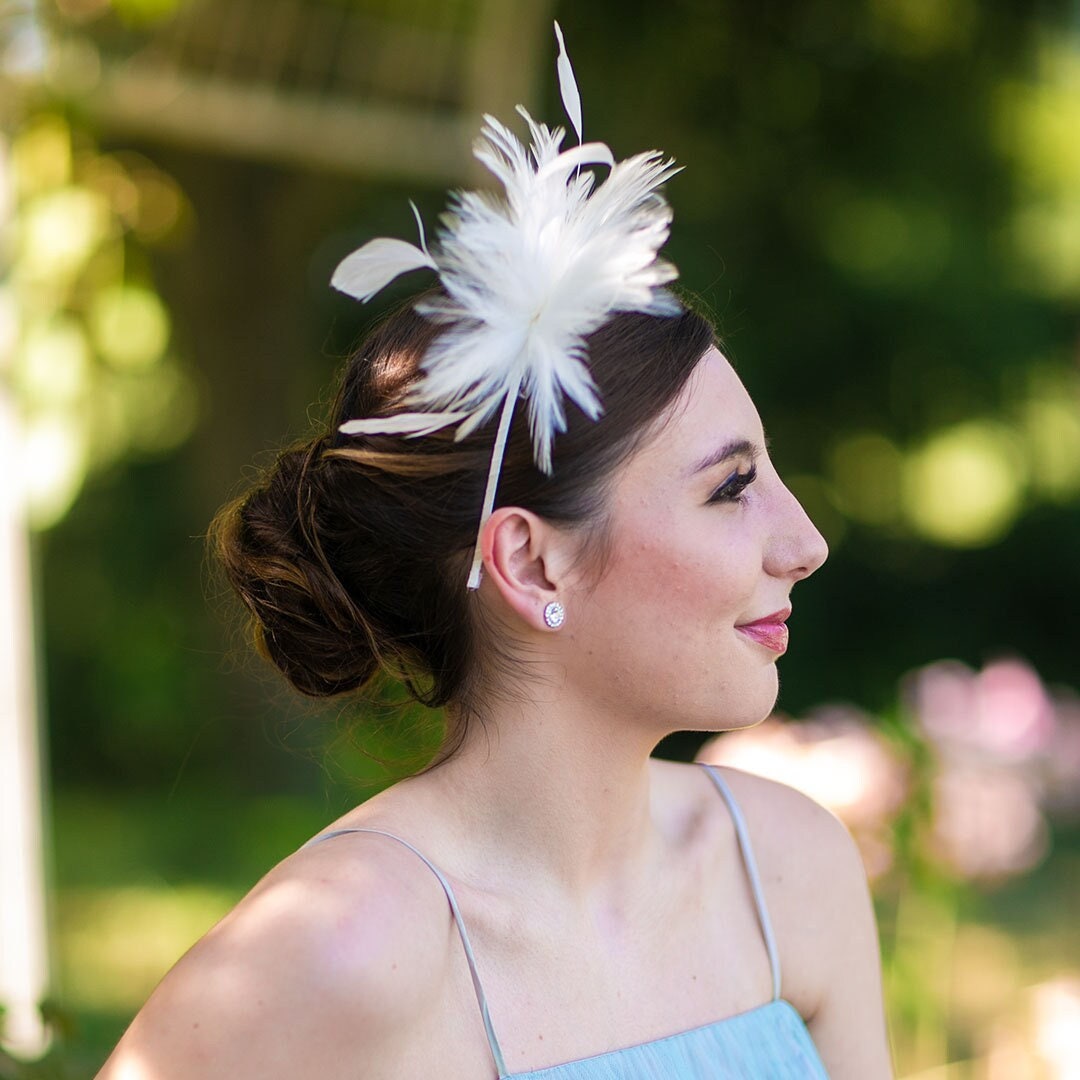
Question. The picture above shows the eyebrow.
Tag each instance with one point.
(733, 449)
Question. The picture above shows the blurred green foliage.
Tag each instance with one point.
(881, 204)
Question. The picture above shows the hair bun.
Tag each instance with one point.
(303, 618)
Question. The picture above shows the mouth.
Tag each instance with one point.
(770, 631)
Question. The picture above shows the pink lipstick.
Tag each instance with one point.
(769, 631)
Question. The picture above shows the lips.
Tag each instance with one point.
(770, 631)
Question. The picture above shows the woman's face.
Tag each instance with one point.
(687, 622)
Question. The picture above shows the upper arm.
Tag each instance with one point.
(820, 906)
(848, 1026)
(313, 972)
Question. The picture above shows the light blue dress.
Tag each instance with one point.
(770, 1042)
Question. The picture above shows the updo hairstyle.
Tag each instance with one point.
(351, 552)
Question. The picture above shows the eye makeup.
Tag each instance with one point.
(731, 490)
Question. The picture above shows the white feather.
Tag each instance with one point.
(403, 424)
(528, 276)
(372, 267)
(568, 88)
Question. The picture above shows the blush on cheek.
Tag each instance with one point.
(631, 568)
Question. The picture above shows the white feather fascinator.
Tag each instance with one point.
(525, 278)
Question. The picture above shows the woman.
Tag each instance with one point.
(547, 899)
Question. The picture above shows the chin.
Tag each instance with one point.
(746, 713)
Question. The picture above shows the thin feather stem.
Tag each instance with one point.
(420, 226)
(493, 476)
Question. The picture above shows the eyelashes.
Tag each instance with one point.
(731, 490)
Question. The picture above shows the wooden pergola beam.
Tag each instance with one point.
(136, 99)
(245, 106)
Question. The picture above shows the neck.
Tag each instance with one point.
(562, 793)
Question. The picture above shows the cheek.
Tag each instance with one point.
(709, 547)
(658, 629)
(682, 579)
(648, 570)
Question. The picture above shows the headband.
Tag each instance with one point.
(525, 278)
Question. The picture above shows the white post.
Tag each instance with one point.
(23, 950)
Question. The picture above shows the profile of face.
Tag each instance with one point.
(685, 626)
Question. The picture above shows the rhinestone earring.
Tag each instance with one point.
(554, 614)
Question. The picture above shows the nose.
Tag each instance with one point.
(796, 548)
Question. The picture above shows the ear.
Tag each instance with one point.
(525, 559)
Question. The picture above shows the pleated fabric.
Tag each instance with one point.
(770, 1042)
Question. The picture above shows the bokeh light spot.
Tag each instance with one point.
(866, 471)
(145, 11)
(919, 28)
(162, 409)
(1046, 239)
(74, 66)
(160, 205)
(60, 231)
(1037, 121)
(1052, 432)
(886, 240)
(867, 235)
(82, 10)
(7, 184)
(9, 326)
(54, 367)
(130, 326)
(964, 487)
(110, 179)
(41, 155)
(54, 465)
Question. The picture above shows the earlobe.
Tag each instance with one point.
(519, 552)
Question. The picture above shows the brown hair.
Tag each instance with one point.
(351, 553)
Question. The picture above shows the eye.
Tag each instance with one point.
(731, 490)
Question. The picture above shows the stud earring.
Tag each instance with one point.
(554, 614)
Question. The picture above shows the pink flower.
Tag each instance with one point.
(1006, 750)
(986, 822)
(1002, 713)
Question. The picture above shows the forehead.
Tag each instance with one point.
(712, 409)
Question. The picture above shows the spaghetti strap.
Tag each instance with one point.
(752, 873)
(493, 1042)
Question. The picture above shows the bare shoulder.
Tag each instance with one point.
(821, 909)
(805, 855)
(795, 836)
(812, 875)
(336, 951)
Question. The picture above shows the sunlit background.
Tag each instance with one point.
(881, 205)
